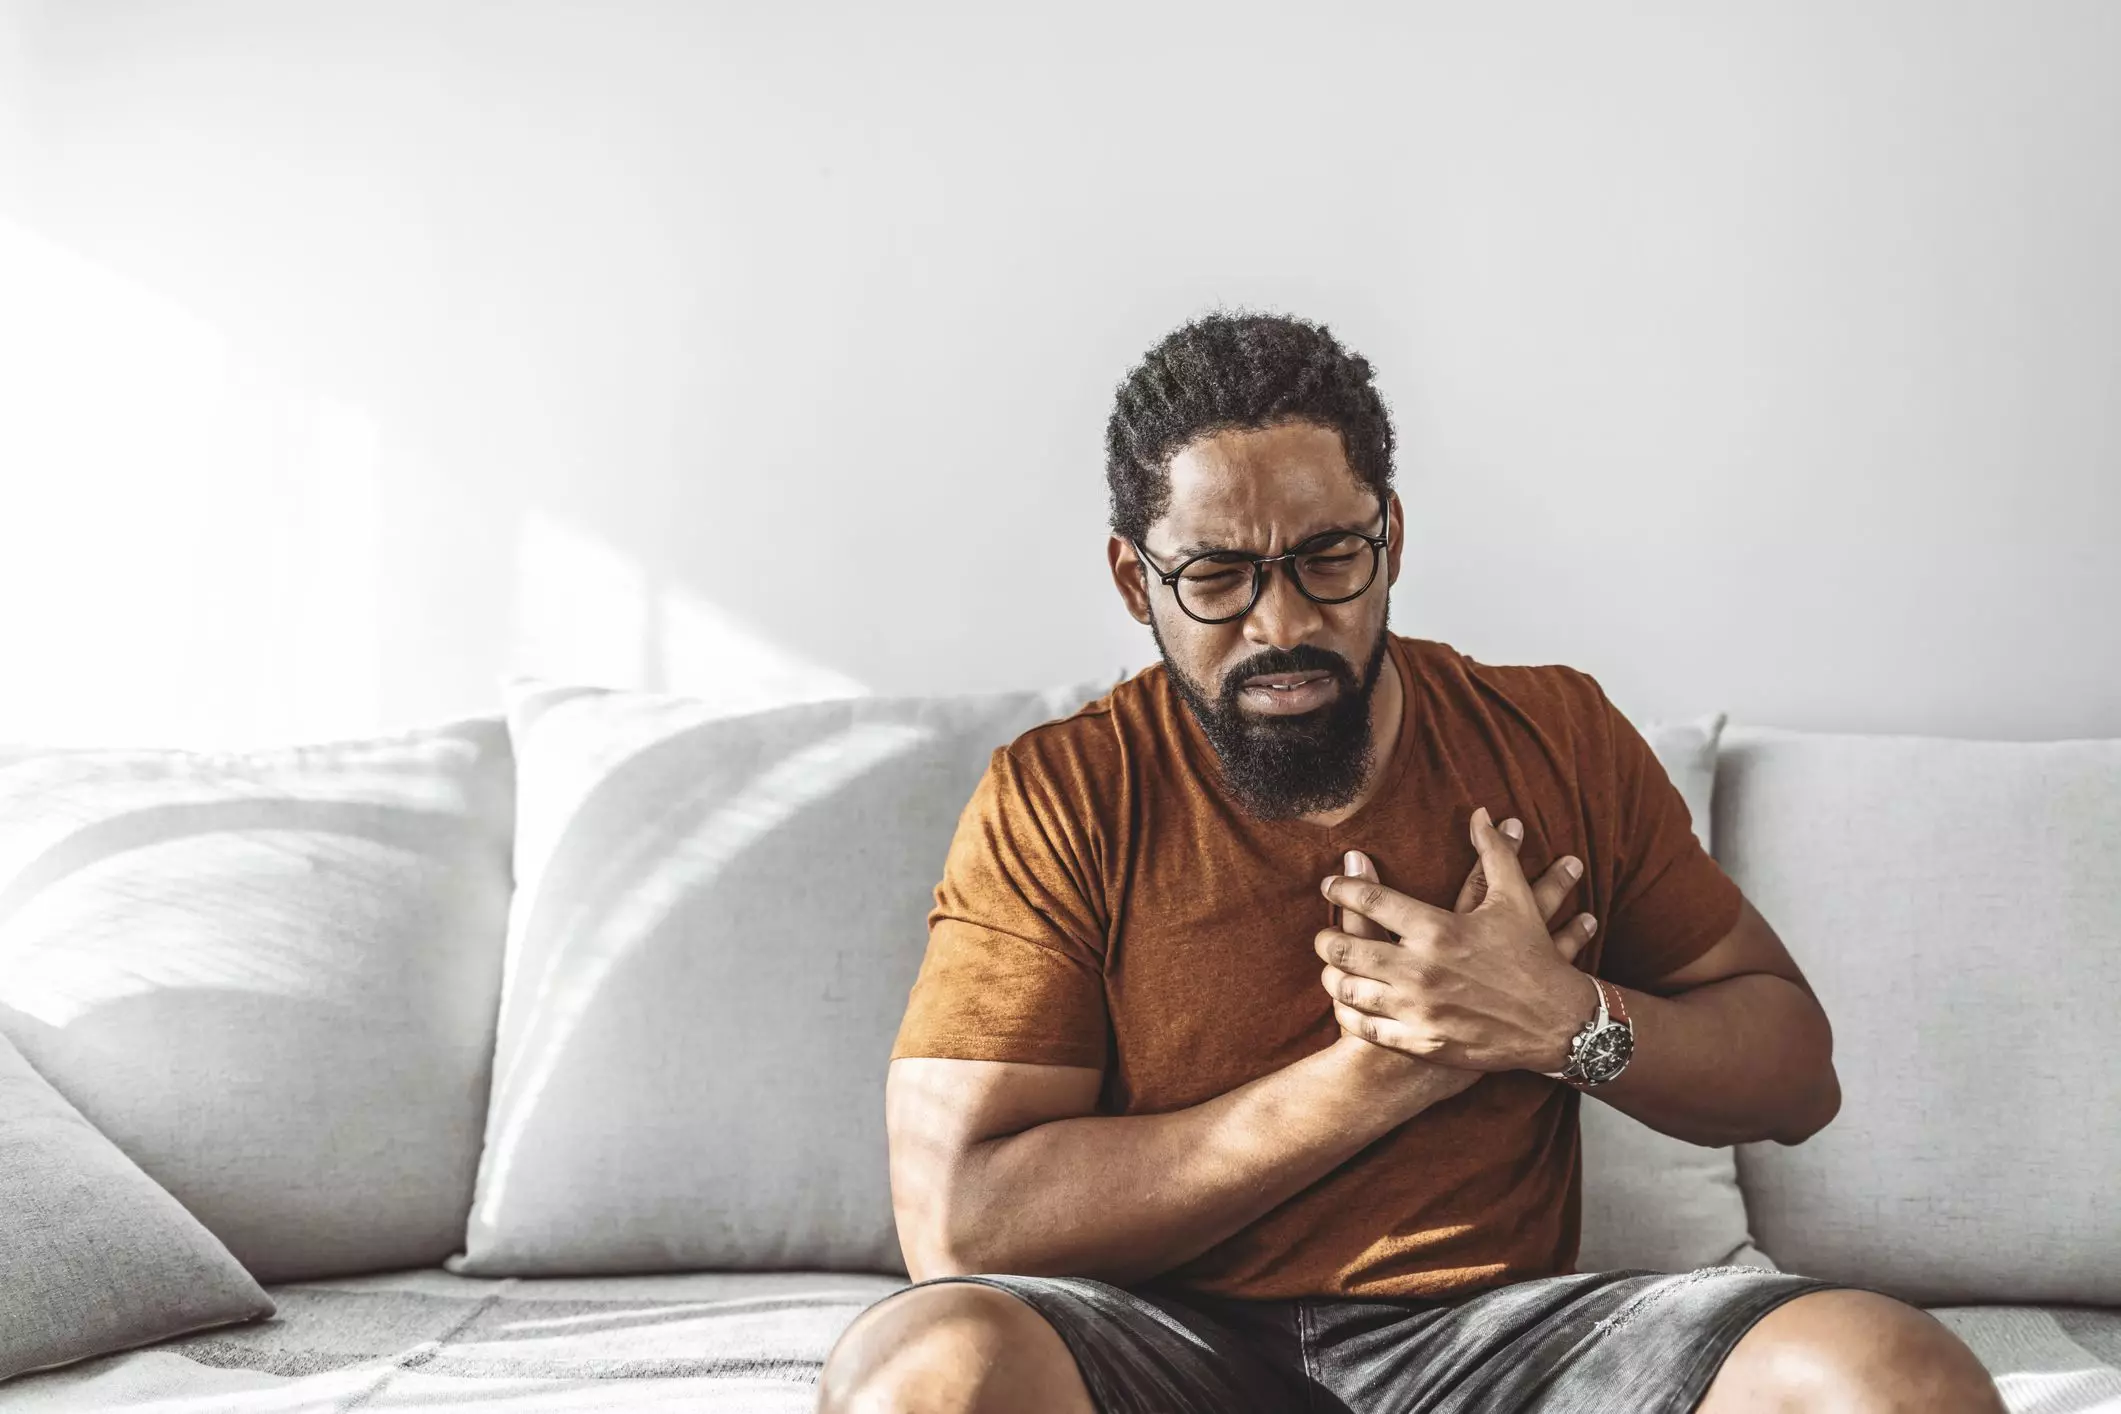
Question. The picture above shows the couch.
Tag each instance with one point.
(535, 1061)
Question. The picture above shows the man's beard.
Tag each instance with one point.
(1279, 768)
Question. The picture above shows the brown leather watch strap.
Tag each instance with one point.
(1614, 1003)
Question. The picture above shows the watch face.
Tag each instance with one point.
(1607, 1052)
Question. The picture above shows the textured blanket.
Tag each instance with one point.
(722, 1343)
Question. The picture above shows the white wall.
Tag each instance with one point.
(1758, 355)
(16, 150)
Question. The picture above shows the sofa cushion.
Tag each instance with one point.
(1651, 1201)
(1956, 905)
(709, 1343)
(270, 977)
(97, 1257)
(717, 922)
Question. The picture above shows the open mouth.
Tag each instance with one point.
(1289, 692)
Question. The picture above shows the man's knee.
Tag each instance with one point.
(1851, 1352)
(956, 1346)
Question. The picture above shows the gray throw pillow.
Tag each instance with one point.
(97, 1257)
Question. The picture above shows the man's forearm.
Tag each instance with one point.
(1744, 1059)
(1124, 1197)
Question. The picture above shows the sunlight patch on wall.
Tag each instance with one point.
(188, 554)
(708, 653)
(581, 608)
(586, 612)
(336, 667)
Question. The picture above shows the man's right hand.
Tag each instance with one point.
(1551, 888)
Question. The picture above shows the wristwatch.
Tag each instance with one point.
(1602, 1048)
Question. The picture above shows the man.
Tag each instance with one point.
(1162, 1143)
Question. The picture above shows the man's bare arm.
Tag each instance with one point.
(1743, 1013)
(1124, 1197)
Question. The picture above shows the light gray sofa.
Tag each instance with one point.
(591, 890)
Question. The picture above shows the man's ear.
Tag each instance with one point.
(1396, 527)
(1127, 570)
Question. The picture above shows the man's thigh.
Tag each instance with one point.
(1627, 1342)
(1148, 1350)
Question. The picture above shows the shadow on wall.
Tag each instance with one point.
(197, 551)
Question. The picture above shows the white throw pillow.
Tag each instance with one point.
(270, 977)
(717, 921)
(1649, 1200)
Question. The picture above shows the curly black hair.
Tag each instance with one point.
(1237, 370)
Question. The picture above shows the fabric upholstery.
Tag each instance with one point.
(1956, 905)
(96, 1257)
(270, 977)
(2046, 1360)
(710, 1343)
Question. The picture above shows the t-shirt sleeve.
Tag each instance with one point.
(1670, 900)
(1014, 968)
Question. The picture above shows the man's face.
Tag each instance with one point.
(1283, 754)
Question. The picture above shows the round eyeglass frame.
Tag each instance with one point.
(1379, 545)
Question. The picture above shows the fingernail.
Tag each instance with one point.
(1590, 926)
(1572, 867)
(1351, 863)
(1480, 815)
(1513, 828)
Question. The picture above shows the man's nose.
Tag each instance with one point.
(1284, 615)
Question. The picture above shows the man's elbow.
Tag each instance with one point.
(926, 1250)
(932, 1237)
(1826, 1103)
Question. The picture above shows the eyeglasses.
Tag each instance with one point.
(1330, 567)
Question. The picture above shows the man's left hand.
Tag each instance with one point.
(1481, 990)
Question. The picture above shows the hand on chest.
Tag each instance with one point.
(1216, 977)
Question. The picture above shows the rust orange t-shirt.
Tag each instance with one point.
(1105, 904)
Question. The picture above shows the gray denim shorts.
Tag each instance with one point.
(1625, 1342)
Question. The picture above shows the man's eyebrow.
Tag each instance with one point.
(1201, 547)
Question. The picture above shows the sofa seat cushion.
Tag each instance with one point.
(715, 1343)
